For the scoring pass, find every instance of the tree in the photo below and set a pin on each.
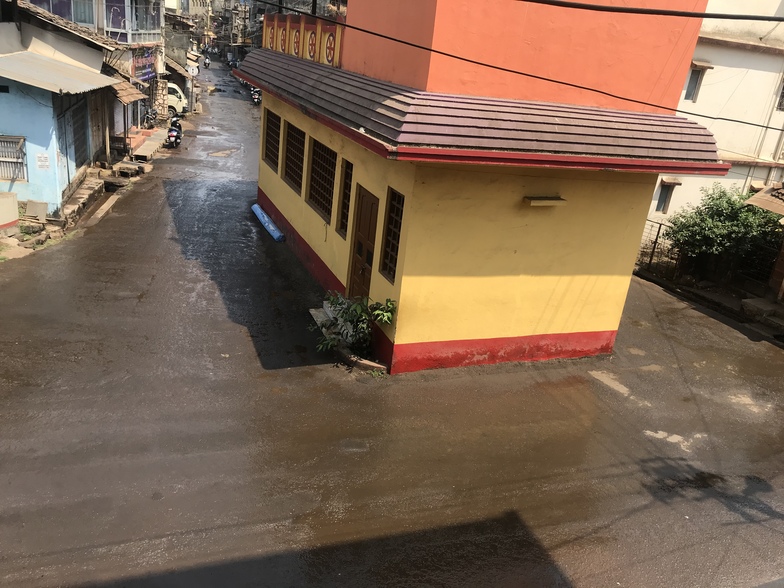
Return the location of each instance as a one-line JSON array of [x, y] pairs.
[[723, 232]]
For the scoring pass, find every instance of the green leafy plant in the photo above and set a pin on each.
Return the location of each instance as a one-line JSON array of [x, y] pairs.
[[352, 322], [722, 232]]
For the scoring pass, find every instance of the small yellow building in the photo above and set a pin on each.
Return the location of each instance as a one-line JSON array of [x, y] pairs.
[[506, 230]]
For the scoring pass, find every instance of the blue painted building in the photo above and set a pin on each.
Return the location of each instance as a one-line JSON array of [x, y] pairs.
[[54, 105], [28, 144]]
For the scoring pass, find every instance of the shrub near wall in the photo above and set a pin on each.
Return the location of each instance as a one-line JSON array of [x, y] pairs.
[[723, 235]]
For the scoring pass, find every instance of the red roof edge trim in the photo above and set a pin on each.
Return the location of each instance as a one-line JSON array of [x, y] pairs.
[[431, 155], [365, 141]]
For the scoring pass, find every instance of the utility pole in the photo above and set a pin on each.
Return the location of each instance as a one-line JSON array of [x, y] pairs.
[[314, 7]]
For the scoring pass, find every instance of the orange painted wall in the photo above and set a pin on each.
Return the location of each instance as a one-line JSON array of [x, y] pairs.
[[642, 57], [408, 20]]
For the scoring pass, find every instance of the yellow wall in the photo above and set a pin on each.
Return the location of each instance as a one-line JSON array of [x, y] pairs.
[[371, 171], [482, 264]]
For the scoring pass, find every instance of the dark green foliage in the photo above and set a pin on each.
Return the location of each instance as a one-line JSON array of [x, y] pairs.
[[353, 322], [723, 224], [723, 233]]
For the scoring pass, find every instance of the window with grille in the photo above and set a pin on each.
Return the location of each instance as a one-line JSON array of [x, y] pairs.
[[322, 179], [271, 138], [345, 197], [12, 158], [392, 224], [295, 157]]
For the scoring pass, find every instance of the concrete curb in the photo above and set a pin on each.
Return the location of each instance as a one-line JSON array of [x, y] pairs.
[[102, 211]]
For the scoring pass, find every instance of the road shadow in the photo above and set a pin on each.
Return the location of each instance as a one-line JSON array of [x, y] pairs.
[[263, 285], [669, 480], [498, 551], [712, 309]]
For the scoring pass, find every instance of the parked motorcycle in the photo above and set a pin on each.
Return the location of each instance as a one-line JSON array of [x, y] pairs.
[[255, 96], [150, 118], [206, 63], [174, 134]]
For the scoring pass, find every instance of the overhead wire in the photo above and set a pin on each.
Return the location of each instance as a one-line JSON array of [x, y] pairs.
[[654, 11], [527, 74]]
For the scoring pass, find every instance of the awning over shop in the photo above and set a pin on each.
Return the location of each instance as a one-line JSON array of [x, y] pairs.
[[50, 74], [176, 67], [126, 93], [771, 199]]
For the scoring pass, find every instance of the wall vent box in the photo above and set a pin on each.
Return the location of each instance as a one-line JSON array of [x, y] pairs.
[[544, 201]]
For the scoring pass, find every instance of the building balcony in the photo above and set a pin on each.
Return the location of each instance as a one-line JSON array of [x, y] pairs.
[[134, 21], [82, 12]]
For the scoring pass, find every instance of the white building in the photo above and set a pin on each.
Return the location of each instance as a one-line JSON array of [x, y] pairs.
[[737, 73]]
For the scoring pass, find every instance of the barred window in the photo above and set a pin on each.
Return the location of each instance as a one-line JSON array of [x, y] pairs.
[[271, 138], [295, 157], [392, 224], [345, 197], [12, 158], [322, 179]]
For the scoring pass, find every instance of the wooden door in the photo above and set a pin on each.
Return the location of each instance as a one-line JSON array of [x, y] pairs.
[[364, 243]]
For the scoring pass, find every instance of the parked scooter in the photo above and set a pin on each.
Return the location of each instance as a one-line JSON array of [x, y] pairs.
[[174, 134], [150, 118], [255, 96], [207, 62]]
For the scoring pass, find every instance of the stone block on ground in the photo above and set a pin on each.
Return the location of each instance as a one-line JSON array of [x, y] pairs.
[[37, 209], [36, 241], [758, 308]]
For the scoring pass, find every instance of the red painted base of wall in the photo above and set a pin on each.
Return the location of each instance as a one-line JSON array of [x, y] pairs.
[[412, 357], [13, 223], [317, 268]]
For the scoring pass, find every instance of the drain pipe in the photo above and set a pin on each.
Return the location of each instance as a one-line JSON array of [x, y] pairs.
[[267, 223]]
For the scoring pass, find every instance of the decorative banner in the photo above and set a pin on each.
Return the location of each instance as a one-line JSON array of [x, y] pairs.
[[144, 63]]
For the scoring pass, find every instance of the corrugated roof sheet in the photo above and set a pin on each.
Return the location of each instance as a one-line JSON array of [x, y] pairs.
[[403, 118], [67, 25], [50, 74], [125, 92], [173, 65], [771, 199]]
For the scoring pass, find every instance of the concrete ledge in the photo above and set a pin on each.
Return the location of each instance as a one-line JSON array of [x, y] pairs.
[[344, 353]]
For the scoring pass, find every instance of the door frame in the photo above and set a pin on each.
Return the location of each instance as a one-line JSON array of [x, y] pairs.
[[353, 235]]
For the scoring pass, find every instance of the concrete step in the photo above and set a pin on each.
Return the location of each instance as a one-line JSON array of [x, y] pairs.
[[151, 146], [759, 308], [774, 322], [90, 190]]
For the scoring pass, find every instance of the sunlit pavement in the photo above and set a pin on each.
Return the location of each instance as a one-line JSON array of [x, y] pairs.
[[165, 420]]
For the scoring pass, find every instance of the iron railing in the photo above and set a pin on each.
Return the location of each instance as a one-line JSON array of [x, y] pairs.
[[657, 255]]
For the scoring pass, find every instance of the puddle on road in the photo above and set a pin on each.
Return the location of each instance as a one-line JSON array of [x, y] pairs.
[[223, 153]]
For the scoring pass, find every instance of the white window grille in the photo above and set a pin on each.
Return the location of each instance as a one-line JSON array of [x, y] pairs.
[[12, 158]]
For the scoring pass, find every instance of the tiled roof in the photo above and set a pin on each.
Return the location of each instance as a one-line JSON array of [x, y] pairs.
[[126, 92], [411, 124], [67, 25]]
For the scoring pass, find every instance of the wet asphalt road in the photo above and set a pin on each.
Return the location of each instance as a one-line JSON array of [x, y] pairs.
[[165, 421]]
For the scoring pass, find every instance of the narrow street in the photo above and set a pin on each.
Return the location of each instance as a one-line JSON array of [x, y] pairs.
[[166, 420]]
